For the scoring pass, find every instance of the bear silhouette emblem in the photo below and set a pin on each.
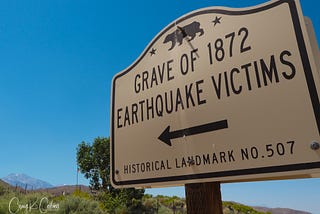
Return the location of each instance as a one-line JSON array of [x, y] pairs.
[[179, 34]]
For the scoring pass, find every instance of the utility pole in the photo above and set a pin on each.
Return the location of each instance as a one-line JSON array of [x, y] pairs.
[[77, 186]]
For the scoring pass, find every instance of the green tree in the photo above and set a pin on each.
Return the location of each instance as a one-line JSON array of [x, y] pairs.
[[94, 162]]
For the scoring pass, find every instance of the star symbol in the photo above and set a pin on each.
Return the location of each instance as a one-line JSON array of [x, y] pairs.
[[217, 20], [153, 51]]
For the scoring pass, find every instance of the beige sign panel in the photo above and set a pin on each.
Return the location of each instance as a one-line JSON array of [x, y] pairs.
[[220, 94]]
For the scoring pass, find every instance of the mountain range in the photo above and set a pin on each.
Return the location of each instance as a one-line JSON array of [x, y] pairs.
[[26, 182]]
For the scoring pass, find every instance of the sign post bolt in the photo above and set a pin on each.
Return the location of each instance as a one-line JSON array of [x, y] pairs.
[[315, 146]]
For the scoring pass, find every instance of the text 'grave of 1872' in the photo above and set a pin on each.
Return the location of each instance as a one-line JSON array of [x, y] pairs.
[[220, 94]]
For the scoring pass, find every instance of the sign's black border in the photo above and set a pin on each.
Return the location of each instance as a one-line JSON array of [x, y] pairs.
[[251, 171]]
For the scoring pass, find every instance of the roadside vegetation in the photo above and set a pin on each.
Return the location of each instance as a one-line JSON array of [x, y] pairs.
[[94, 162], [83, 203]]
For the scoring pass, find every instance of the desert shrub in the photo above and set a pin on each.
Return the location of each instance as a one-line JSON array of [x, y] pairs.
[[164, 210], [3, 190], [150, 204], [79, 205], [3, 207], [111, 203], [121, 210], [240, 208], [79, 193]]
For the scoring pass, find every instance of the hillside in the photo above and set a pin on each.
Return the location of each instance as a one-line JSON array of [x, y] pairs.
[[4, 184], [5, 187], [280, 210], [64, 190]]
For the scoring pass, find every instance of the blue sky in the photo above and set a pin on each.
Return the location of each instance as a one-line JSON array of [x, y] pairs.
[[57, 63]]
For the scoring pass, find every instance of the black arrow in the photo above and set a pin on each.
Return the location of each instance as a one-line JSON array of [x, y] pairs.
[[166, 135]]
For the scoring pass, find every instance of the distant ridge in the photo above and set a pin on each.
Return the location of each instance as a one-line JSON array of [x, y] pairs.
[[5, 185], [280, 210], [65, 189], [25, 182]]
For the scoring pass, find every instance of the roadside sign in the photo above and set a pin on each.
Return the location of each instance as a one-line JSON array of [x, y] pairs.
[[220, 94]]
